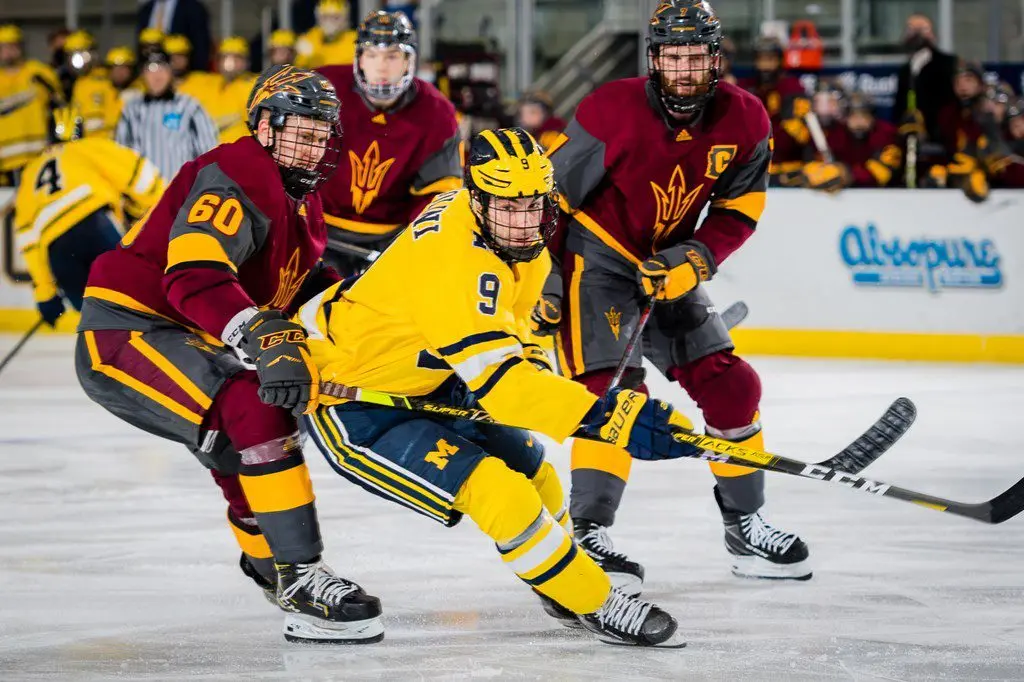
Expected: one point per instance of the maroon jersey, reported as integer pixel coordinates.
(775, 97)
(640, 184)
(547, 133)
(224, 238)
(959, 129)
(394, 162)
(873, 159)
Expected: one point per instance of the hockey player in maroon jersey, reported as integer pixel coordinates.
(770, 82)
(214, 267)
(640, 161)
(401, 143)
(866, 152)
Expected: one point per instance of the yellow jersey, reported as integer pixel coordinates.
(225, 103)
(314, 49)
(439, 301)
(66, 184)
(26, 93)
(202, 85)
(98, 101)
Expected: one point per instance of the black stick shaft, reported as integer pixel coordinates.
(22, 342)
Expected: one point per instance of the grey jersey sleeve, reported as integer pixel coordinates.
(579, 164)
(443, 164)
(218, 226)
(747, 176)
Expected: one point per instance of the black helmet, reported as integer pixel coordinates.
(684, 22)
(386, 29)
(286, 91)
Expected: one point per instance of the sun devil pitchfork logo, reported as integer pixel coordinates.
(367, 176)
(673, 202)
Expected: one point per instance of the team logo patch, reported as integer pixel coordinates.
(673, 202)
(367, 176)
(439, 457)
(719, 158)
(288, 284)
(614, 318)
(172, 121)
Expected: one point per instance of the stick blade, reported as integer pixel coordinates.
(735, 314)
(876, 441)
(1006, 505)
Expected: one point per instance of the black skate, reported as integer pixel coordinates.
(759, 550)
(269, 588)
(626, 575)
(324, 608)
(563, 615)
(632, 621)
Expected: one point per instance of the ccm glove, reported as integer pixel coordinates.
(51, 310)
(674, 272)
(288, 377)
(546, 315)
(642, 426)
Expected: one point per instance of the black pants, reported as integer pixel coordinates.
(72, 253)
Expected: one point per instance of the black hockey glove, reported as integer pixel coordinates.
(639, 424)
(547, 315)
(288, 377)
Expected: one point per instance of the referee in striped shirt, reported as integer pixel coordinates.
(167, 127)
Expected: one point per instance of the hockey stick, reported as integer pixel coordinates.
(633, 342)
(862, 452)
(369, 255)
(22, 342)
(734, 314)
(818, 136)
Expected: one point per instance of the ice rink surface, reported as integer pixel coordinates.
(116, 562)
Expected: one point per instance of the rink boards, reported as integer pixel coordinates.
(922, 275)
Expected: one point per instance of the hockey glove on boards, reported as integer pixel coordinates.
(546, 315)
(50, 310)
(642, 426)
(288, 377)
(676, 270)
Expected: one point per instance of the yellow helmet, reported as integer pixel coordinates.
(509, 164)
(151, 36)
(79, 41)
(234, 45)
(122, 55)
(177, 44)
(282, 37)
(10, 34)
(332, 7)
(67, 124)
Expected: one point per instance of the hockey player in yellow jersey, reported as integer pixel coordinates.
(444, 313)
(332, 41)
(281, 48)
(226, 103)
(202, 85)
(120, 63)
(28, 90)
(68, 206)
(93, 95)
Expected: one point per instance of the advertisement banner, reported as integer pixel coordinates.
(925, 261)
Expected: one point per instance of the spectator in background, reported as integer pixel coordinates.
(227, 105)
(29, 90)
(186, 17)
(282, 47)
(167, 127)
(92, 95)
(928, 74)
(866, 152)
(535, 114)
(331, 41)
(773, 86)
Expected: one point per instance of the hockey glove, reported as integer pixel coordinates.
(547, 315)
(826, 177)
(288, 377)
(966, 173)
(51, 310)
(641, 425)
(674, 272)
(538, 356)
(912, 124)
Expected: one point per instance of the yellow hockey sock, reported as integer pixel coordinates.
(552, 494)
(508, 508)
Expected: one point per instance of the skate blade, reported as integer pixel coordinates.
(758, 568)
(626, 583)
(309, 630)
(676, 641)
